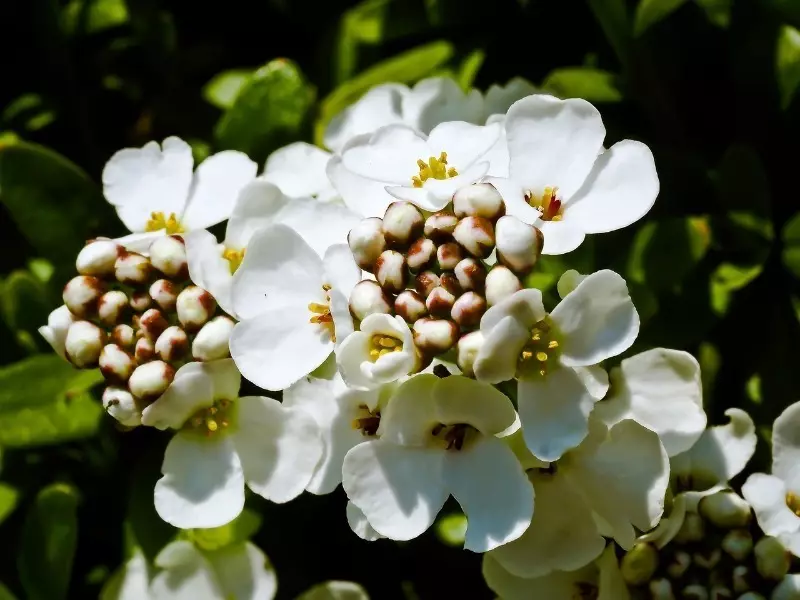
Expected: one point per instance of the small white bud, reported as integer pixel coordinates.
(97, 258)
(725, 509)
(741, 579)
(757, 596)
(195, 307)
(440, 226)
(500, 284)
(519, 245)
(152, 323)
(402, 223)
(738, 544)
(121, 405)
(116, 365)
(391, 272)
(112, 306)
(421, 254)
(81, 295)
(476, 235)
(141, 301)
(435, 336)
(83, 344)
(639, 564)
(425, 283)
(709, 560)
(695, 591)
(661, 589)
(471, 274)
(172, 344)
(164, 293)
(468, 309)
(440, 302)
(150, 380)
(468, 347)
(693, 529)
(479, 200)
(145, 350)
(132, 269)
(787, 589)
(55, 332)
(211, 342)
(772, 558)
(168, 255)
(368, 298)
(410, 306)
(680, 563)
(123, 336)
(366, 242)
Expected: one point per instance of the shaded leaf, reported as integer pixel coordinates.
(588, 83)
(791, 245)
(612, 15)
(718, 12)
(224, 88)
(787, 63)
(650, 12)
(25, 306)
(91, 16)
(727, 279)
(8, 502)
(241, 529)
(469, 69)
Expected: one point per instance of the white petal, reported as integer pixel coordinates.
(561, 237)
(207, 267)
(553, 142)
(340, 270)
(439, 99)
(258, 205)
(399, 489)
(244, 572)
(611, 584)
(224, 374)
(499, 98)
(350, 355)
(186, 575)
(359, 524)
(130, 582)
(525, 306)
(498, 355)
(342, 318)
(558, 585)
(787, 589)
(596, 321)
(298, 169)
(366, 197)
(202, 484)
(55, 332)
(514, 199)
(279, 447)
(389, 155)
(473, 476)
(139, 242)
(621, 189)
(381, 105)
(767, 495)
(786, 446)
(411, 413)
(462, 400)
(189, 392)
(464, 143)
(216, 185)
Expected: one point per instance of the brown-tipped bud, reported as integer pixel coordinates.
(112, 307)
(145, 350)
(391, 271)
(421, 254)
(440, 302)
(141, 301)
(133, 269)
(97, 258)
(402, 223)
(81, 295)
(519, 245)
(500, 283)
(168, 255)
(435, 336)
(468, 347)
(410, 306)
(116, 365)
(368, 298)
(121, 405)
(440, 226)
(150, 380)
(152, 323)
(83, 344)
(195, 307)
(211, 342)
(449, 281)
(366, 241)
(471, 274)
(165, 294)
(479, 200)
(172, 344)
(425, 283)
(476, 235)
(449, 255)
(123, 336)
(468, 309)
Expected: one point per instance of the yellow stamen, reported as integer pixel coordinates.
(158, 221)
(435, 168)
(527, 355)
(321, 313)
(793, 502)
(552, 344)
(548, 203)
(541, 356)
(212, 425)
(381, 345)
(234, 258)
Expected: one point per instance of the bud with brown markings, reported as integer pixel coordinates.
(97, 258)
(366, 241)
(476, 235)
(500, 283)
(439, 227)
(195, 307)
(471, 274)
(84, 343)
(425, 283)
(468, 309)
(402, 223)
(440, 302)
(368, 298)
(113, 307)
(391, 271)
(165, 294)
(421, 254)
(479, 200)
(449, 255)
(133, 269)
(152, 323)
(435, 336)
(519, 245)
(172, 344)
(410, 306)
(82, 294)
(116, 365)
(168, 255)
(150, 380)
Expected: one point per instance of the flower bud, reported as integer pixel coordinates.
(141, 301)
(720, 592)
(479, 200)
(145, 350)
(440, 226)
(500, 284)
(152, 323)
(83, 344)
(738, 544)
(150, 380)
(81, 295)
(725, 509)
(132, 269)
(402, 223)
(123, 336)
(787, 589)
(120, 404)
(172, 344)
(754, 596)
(692, 529)
(476, 235)
(435, 336)
(211, 342)
(471, 274)
(366, 242)
(97, 258)
(694, 591)
(708, 560)
(195, 307)
(390, 271)
(519, 245)
(741, 579)
(165, 294)
(449, 281)
(681, 561)
(116, 365)
(420, 254)
(448, 256)
(440, 302)
(168, 255)
(410, 306)
(772, 559)
(112, 307)
(368, 298)
(468, 309)
(425, 283)
(639, 564)
(468, 347)
(661, 589)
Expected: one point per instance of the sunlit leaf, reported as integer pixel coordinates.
(91, 16)
(24, 306)
(469, 69)
(718, 12)
(787, 63)
(726, 280)
(650, 12)
(8, 502)
(5, 593)
(28, 111)
(791, 245)
(588, 83)
(452, 529)
(612, 15)
(224, 88)
(241, 529)
(362, 24)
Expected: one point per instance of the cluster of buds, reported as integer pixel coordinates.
(139, 318)
(719, 553)
(432, 269)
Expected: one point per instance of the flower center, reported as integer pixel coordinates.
(541, 348)
(435, 168)
(380, 345)
(321, 313)
(452, 436)
(211, 420)
(793, 502)
(234, 258)
(158, 221)
(549, 204)
(367, 420)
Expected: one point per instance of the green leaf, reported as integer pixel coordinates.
(787, 63)
(24, 305)
(791, 245)
(224, 88)
(29, 111)
(588, 83)
(469, 69)
(241, 529)
(727, 279)
(718, 12)
(452, 529)
(650, 12)
(91, 16)
(47, 548)
(612, 15)
(362, 24)
(710, 361)
(335, 590)
(8, 502)
(44, 400)
(269, 111)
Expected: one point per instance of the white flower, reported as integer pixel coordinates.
(359, 524)
(775, 498)
(382, 351)
(553, 356)
(214, 266)
(223, 442)
(560, 172)
(55, 332)
(439, 438)
(292, 305)
(299, 170)
(131, 581)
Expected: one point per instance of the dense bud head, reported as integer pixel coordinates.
(211, 342)
(150, 380)
(479, 200)
(172, 344)
(500, 284)
(145, 350)
(195, 307)
(468, 347)
(113, 307)
(476, 235)
(120, 404)
(738, 543)
(402, 223)
(152, 323)
(116, 365)
(440, 226)
(133, 269)
(123, 336)
(425, 283)
(639, 564)
(368, 298)
(98, 258)
(421, 254)
(468, 309)
(366, 241)
(83, 344)
(168, 255)
(725, 509)
(410, 306)
(448, 256)
(772, 558)
(164, 293)
(435, 336)
(440, 302)
(81, 295)
(141, 301)
(449, 281)
(391, 271)
(519, 245)
(471, 274)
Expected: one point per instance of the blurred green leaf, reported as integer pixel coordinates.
(49, 538)
(710, 361)
(362, 24)
(615, 22)
(753, 388)
(650, 12)
(727, 279)
(469, 69)
(452, 529)
(24, 305)
(335, 590)
(787, 63)
(224, 88)
(5, 593)
(241, 529)
(8, 502)
(588, 83)
(91, 16)
(741, 182)
(791, 245)
(718, 12)
(28, 111)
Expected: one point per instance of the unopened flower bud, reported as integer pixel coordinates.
(639, 564)
(426, 282)
(449, 281)
(402, 223)
(172, 344)
(112, 307)
(81, 295)
(479, 200)
(145, 350)
(720, 592)
(121, 405)
(123, 336)
(725, 509)
(440, 302)
(211, 342)
(152, 323)
(449, 255)
(168, 255)
(468, 347)
(421, 254)
(116, 365)
(83, 344)
(368, 298)
(740, 578)
(681, 561)
(787, 589)
(97, 258)
(195, 307)
(410, 306)
(738, 544)
(391, 272)
(692, 529)
(757, 596)
(164, 293)
(471, 274)
(468, 309)
(435, 336)
(132, 269)
(772, 558)
(695, 591)
(150, 380)
(476, 235)
(707, 560)
(141, 301)
(440, 226)
(519, 245)
(500, 284)
(661, 589)
(366, 241)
